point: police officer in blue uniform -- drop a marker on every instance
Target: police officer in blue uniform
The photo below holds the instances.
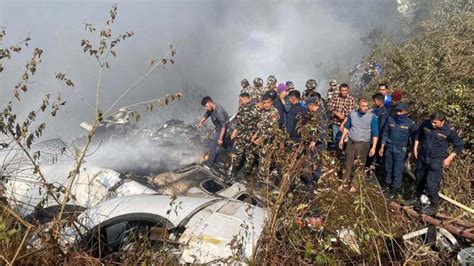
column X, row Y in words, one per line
column 433, row 140
column 396, row 136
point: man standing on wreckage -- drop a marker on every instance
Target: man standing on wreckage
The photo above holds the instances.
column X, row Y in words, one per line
column 220, row 119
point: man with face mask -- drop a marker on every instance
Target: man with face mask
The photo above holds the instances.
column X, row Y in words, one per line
column 219, row 118
column 431, row 152
column 395, row 139
column 361, row 126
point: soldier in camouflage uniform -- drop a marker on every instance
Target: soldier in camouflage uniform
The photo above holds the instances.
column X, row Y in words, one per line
column 246, row 125
column 314, row 137
column 261, row 140
column 310, row 91
column 271, row 83
column 255, row 91
column 333, row 90
column 244, row 84
column 290, row 85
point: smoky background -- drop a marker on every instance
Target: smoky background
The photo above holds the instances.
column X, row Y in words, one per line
column 218, row 44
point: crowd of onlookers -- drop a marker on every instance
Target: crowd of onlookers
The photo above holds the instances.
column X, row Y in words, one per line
column 383, row 133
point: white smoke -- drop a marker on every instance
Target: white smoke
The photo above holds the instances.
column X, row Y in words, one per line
column 219, row 44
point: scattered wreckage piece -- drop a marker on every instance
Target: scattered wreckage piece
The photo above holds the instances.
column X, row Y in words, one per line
column 197, row 180
column 443, row 237
column 460, row 231
column 92, row 186
column 466, row 256
column 349, row 238
column 207, row 229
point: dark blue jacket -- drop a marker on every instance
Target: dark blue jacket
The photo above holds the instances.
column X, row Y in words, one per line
column 382, row 114
column 387, row 101
column 398, row 131
column 281, row 111
column 292, row 119
column 435, row 142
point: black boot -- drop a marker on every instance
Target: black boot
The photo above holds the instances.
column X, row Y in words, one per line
column 430, row 210
column 385, row 187
column 393, row 194
column 415, row 202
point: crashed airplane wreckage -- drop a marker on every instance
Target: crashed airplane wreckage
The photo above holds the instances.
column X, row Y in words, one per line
column 192, row 209
column 201, row 222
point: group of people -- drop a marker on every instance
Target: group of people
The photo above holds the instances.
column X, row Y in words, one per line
column 383, row 134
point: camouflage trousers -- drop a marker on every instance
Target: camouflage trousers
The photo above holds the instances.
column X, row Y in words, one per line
column 259, row 153
column 241, row 150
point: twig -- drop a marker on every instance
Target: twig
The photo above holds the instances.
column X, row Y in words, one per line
column 17, row 217
column 20, row 247
column 152, row 68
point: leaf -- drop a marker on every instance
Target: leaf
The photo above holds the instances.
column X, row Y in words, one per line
column 12, row 232
column 301, row 206
column 17, row 95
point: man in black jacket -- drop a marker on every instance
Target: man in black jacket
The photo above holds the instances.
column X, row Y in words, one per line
column 297, row 111
column 434, row 137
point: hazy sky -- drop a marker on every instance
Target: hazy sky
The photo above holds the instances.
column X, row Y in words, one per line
column 220, row 42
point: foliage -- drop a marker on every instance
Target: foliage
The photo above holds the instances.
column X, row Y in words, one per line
column 433, row 66
column 21, row 162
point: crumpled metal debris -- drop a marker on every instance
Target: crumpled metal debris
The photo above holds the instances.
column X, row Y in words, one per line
column 349, row 238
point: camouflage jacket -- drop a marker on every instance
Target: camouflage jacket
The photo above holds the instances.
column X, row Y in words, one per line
column 308, row 94
column 255, row 93
column 314, row 128
column 267, row 124
column 246, row 121
column 331, row 93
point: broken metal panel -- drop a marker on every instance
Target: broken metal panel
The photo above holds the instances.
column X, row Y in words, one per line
column 233, row 191
column 211, row 232
column 174, row 211
column 92, row 186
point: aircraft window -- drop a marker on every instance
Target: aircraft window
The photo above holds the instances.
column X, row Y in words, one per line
column 245, row 197
column 122, row 236
column 211, row 186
